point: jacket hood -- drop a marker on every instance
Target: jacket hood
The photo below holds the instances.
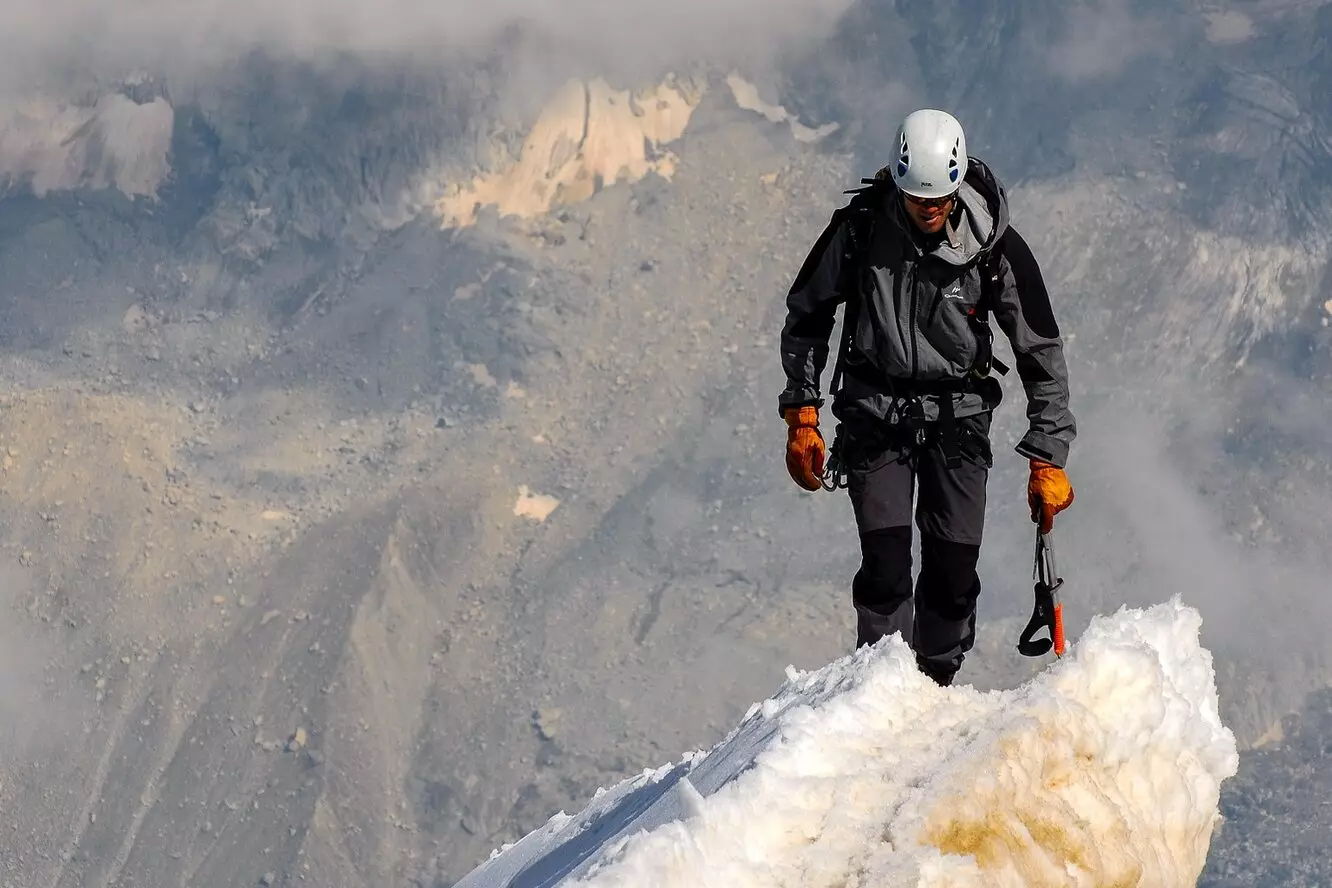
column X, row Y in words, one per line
column 984, row 197
column 976, row 226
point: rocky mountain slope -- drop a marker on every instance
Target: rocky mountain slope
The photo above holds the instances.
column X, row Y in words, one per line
column 350, row 418
column 1275, row 809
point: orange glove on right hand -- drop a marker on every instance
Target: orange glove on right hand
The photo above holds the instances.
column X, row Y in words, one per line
column 804, row 446
column 1048, row 493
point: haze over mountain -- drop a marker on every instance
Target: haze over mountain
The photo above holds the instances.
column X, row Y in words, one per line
column 324, row 481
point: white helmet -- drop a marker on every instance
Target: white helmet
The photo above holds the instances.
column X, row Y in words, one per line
column 932, row 154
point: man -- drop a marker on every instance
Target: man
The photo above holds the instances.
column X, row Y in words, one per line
column 920, row 258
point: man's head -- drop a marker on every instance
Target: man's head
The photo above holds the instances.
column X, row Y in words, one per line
column 931, row 164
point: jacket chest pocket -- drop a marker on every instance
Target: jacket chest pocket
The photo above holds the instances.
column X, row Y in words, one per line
column 949, row 298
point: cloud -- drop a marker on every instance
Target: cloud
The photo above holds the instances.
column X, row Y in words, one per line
column 416, row 69
column 42, row 39
column 1102, row 39
column 1168, row 503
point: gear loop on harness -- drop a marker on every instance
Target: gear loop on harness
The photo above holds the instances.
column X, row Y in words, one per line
column 834, row 475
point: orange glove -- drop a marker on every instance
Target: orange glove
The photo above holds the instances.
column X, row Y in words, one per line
column 804, row 446
column 1048, row 493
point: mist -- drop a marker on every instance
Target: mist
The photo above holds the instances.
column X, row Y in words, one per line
column 46, row 41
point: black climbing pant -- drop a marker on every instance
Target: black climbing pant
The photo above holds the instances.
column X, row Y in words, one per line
column 885, row 482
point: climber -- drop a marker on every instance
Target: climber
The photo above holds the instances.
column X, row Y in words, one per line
column 920, row 257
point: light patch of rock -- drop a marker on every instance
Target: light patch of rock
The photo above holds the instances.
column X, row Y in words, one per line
column 589, row 136
column 536, row 506
column 114, row 143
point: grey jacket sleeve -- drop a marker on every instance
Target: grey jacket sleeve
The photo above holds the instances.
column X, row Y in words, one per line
column 811, row 315
column 1025, row 315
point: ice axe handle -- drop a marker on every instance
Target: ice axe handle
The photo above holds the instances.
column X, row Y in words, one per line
column 1048, row 612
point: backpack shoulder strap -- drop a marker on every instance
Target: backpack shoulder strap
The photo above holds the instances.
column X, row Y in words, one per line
column 991, row 285
column 859, row 217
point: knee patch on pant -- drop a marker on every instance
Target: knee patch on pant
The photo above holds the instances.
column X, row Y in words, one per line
column 948, row 578
column 884, row 579
column 945, row 606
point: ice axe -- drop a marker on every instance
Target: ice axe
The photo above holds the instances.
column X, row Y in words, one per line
column 1048, row 613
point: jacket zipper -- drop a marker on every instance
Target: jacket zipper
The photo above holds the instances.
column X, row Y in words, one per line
column 914, row 322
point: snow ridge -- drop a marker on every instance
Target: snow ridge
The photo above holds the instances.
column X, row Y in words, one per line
column 1103, row 770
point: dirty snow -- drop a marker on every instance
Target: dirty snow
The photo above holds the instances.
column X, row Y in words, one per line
column 747, row 96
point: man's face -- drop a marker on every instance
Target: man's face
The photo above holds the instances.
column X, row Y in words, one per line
column 929, row 213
